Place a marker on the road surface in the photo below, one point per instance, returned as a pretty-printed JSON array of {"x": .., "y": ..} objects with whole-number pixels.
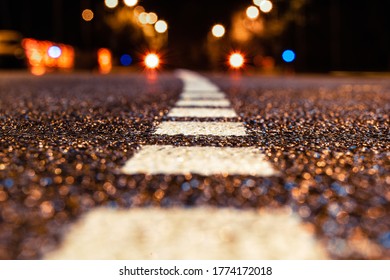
[{"x": 189, "y": 166}]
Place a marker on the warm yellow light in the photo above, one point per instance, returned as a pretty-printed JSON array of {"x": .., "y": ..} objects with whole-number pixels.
[
  {"x": 252, "y": 12},
  {"x": 111, "y": 3},
  {"x": 104, "y": 60},
  {"x": 152, "y": 18},
  {"x": 152, "y": 60},
  {"x": 266, "y": 6},
  {"x": 138, "y": 10},
  {"x": 130, "y": 3},
  {"x": 236, "y": 60},
  {"x": 143, "y": 18},
  {"x": 87, "y": 15},
  {"x": 161, "y": 26},
  {"x": 38, "y": 70},
  {"x": 218, "y": 30}
]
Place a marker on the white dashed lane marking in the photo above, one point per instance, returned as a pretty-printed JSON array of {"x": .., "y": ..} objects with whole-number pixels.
[
  {"x": 153, "y": 159},
  {"x": 203, "y": 103},
  {"x": 159, "y": 159},
  {"x": 201, "y": 128},
  {"x": 205, "y": 95},
  {"x": 202, "y": 113},
  {"x": 188, "y": 234}
]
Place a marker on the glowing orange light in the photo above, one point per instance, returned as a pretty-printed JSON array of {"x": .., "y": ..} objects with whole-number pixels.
[
  {"x": 38, "y": 70},
  {"x": 143, "y": 18},
  {"x": 87, "y": 15},
  {"x": 236, "y": 60},
  {"x": 138, "y": 10},
  {"x": 152, "y": 61},
  {"x": 104, "y": 61},
  {"x": 43, "y": 56},
  {"x": 152, "y": 18}
]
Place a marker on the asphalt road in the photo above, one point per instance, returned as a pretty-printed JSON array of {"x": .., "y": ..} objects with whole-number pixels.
[{"x": 65, "y": 139}]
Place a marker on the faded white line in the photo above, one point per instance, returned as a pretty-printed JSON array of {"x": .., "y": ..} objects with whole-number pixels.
[
  {"x": 203, "y": 103},
  {"x": 199, "y": 86},
  {"x": 193, "y": 81},
  {"x": 207, "y": 161},
  {"x": 201, "y": 128},
  {"x": 198, "y": 233},
  {"x": 205, "y": 95},
  {"x": 202, "y": 113}
]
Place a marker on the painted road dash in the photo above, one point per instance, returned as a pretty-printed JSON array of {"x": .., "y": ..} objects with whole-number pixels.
[
  {"x": 168, "y": 159},
  {"x": 202, "y": 113},
  {"x": 201, "y": 128},
  {"x": 194, "y": 233},
  {"x": 153, "y": 159},
  {"x": 202, "y": 95},
  {"x": 203, "y": 103}
]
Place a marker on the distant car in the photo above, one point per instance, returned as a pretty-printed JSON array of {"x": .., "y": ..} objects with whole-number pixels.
[{"x": 12, "y": 54}]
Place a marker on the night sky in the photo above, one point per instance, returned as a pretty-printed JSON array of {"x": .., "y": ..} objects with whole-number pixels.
[{"x": 337, "y": 34}]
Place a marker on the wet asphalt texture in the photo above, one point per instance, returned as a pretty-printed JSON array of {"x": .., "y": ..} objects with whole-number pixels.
[{"x": 65, "y": 137}]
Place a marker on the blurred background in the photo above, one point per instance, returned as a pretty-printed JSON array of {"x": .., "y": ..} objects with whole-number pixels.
[{"x": 271, "y": 35}]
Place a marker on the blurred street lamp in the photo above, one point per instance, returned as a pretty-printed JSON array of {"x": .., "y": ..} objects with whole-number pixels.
[
  {"x": 104, "y": 60},
  {"x": 252, "y": 12},
  {"x": 265, "y": 6},
  {"x": 87, "y": 15},
  {"x": 218, "y": 30},
  {"x": 151, "y": 18},
  {"x": 161, "y": 26},
  {"x": 152, "y": 61},
  {"x": 236, "y": 60},
  {"x": 138, "y": 10},
  {"x": 288, "y": 56},
  {"x": 143, "y": 18},
  {"x": 130, "y": 3},
  {"x": 54, "y": 52},
  {"x": 111, "y": 3}
]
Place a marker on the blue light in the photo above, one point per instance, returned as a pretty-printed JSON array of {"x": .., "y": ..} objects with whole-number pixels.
[
  {"x": 126, "y": 60},
  {"x": 54, "y": 52},
  {"x": 288, "y": 56}
]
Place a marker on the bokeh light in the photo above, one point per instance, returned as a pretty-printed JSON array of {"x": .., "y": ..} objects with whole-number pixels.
[
  {"x": 138, "y": 10},
  {"x": 87, "y": 15},
  {"x": 126, "y": 60},
  {"x": 288, "y": 56},
  {"x": 252, "y": 12},
  {"x": 152, "y": 18},
  {"x": 266, "y": 6},
  {"x": 218, "y": 30},
  {"x": 236, "y": 60},
  {"x": 111, "y": 3},
  {"x": 46, "y": 55},
  {"x": 130, "y": 3},
  {"x": 161, "y": 26},
  {"x": 143, "y": 18},
  {"x": 152, "y": 61},
  {"x": 104, "y": 60},
  {"x": 54, "y": 52}
]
